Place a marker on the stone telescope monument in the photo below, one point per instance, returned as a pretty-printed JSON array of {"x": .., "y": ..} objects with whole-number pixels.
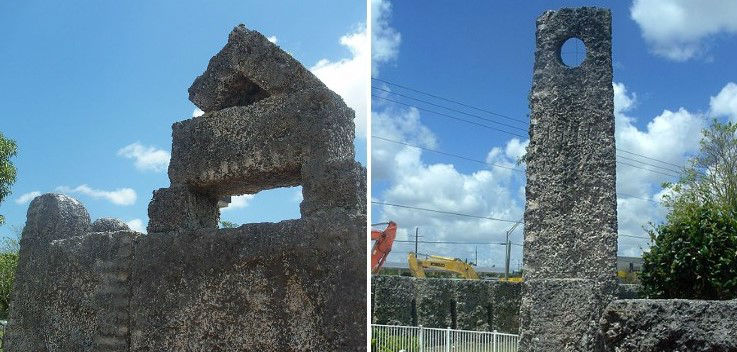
[
  {"x": 571, "y": 212},
  {"x": 296, "y": 285}
]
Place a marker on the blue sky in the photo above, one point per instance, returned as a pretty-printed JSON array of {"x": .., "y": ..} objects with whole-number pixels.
[
  {"x": 673, "y": 71},
  {"x": 83, "y": 80}
]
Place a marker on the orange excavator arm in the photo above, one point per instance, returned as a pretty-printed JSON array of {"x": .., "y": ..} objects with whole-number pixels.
[{"x": 382, "y": 246}]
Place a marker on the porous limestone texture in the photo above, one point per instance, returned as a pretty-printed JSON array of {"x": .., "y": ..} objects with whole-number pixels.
[
  {"x": 259, "y": 287},
  {"x": 268, "y": 123},
  {"x": 180, "y": 207},
  {"x": 674, "y": 325},
  {"x": 296, "y": 285},
  {"x": 481, "y": 305},
  {"x": 69, "y": 292},
  {"x": 629, "y": 291},
  {"x": 109, "y": 224},
  {"x": 289, "y": 286},
  {"x": 439, "y": 303},
  {"x": 278, "y": 134},
  {"x": 247, "y": 69},
  {"x": 571, "y": 211}
]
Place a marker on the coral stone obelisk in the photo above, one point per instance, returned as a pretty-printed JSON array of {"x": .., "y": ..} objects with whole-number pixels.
[{"x": 571, "y": 211}]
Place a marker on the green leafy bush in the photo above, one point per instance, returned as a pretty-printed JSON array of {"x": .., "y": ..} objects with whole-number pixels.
[
  {"x": 694, "y": 255},
  {"x": 393, "y": 343},
  {"x": 8, "y": 263}
]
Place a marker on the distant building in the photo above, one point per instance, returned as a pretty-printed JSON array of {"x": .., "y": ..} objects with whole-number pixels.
[{"x": 629, "y": 264}]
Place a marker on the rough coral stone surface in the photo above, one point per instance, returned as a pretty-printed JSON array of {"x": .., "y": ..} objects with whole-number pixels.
[
  {"x": 88, "y": 292},
  {"x": 30, "y": 323},
  {"x": 564, "y": 315},
  {"x": 249, "y": 68},
  {"x": 180, "y": 207},
  {"x": 670, "y": 325},
  {"x": 260, "y": 287},
  {"x": 291, "y": 286},
  {"x": 571, "y": 212},
  {"x": 328, "y": 185},
  {"x": 439, "y": 303},
  {"x": 54, "y": 216},
  {"x": 571, "y": 209},
  {"x": 435, "y": 304},
  {"x": 482, "y": 305},
  {"x": 393, "y": 300},
  {"x": 247, "y": 149},
  {"x": 109, "y": 224}
]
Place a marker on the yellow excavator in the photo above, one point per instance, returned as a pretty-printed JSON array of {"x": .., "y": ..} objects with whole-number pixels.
[{"x": 417, "y": 266}]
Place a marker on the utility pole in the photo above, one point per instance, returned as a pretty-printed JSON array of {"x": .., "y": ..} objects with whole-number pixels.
[
  {"x": 476, "y": 262},
  {"x": 509, "y": 249},
  {"x": 508, "y": 257},
  {"x": 417, "y": 236}
]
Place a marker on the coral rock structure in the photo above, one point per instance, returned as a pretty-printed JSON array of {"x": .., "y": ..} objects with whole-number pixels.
[
  {"x": 653, "y": 325},
  {"x": 296, "y": 285},
  {"x": 481, "y": 305},
  {"x": 571, "y": 211}
]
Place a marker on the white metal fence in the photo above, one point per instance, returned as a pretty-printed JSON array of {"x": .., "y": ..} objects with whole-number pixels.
[{"x": 393, "y": 338}]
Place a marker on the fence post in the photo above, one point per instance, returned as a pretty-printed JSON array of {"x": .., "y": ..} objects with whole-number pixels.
[
  {"x": 447, "y": 339},
  {"x": 495, "y": 341},
  {"x": 421, "y": 338}
]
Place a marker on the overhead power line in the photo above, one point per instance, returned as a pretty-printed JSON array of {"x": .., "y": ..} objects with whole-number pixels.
[
  {"x": 491, "y": 113},
  {"x": 442, "y": 211},
  {"x": 646, "y": 169},
  {"x": 447, "y": 154},
  {"x": 463, "y": 215},
  {"x": 647, "y": 157},
  {"x": 447, "y": 108},
  {"x": 450, "y": 100},
  {"x": 511, "y": 133},
  {"x": 457, "y": 242},
  {"x": 677, "y": 172},
  {"x": 482, "y": 162},
  {"x": 448, "y": 116}
]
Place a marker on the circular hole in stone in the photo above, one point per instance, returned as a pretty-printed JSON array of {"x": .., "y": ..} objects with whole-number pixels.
[{"x": 573, "y": 52}]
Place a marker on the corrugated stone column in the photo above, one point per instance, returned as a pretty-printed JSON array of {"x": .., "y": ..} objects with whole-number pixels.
[{"x": 571, "y": 211}]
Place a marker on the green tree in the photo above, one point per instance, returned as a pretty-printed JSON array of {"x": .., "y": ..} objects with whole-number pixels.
[
  {"x": 694, "y": 252},
  {"x": 8, "y": 264},
  {"x": 8, "y": 149}
]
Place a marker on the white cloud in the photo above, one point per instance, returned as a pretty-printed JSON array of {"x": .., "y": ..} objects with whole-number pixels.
[
  {"x": 298, "y": 197},
  {"x": 272, "y": 39},
  {"x": 239, "y": 202},
  {"x": 387, "y": 158},
  {"x": 725, "y": 103},
  {"x": 678, "y": 29},
  {"x": 516, "y": 149},
  {"x": 136, "y": 225},
  {"x": 670, "y": 137},
  {"x": 121, "y": 196},
  {"x": 489, "y": 191},
  {"x": 27, "y": 197},
  {"x": 146, "y": 158},
  {"x": 623, "y": 101},
  {"x": 197, "y": 112},
  {"x": 385, "y": 39},
  {"x": 348, "y": 76}
]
